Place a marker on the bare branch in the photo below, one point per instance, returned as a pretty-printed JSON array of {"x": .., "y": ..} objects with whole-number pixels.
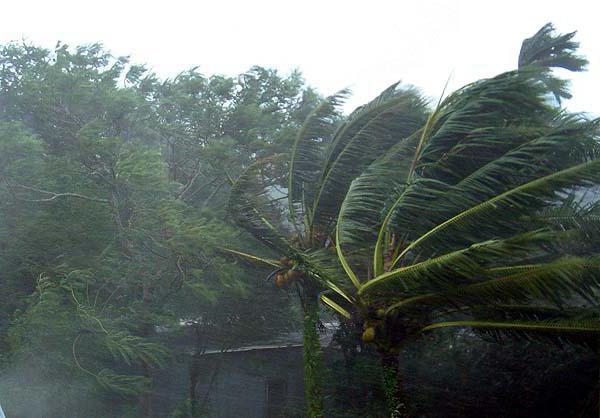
[
  {"x": 189, "y": 184},
  {"x": 54, "y": 196}
]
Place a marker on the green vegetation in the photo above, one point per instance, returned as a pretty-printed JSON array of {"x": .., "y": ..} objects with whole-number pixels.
[
  {"x": 136, "y": 212},
  {"x": 112, "y": 186},
  {"x": 475, "y": 217},
  {"x": 483, "y": 223}
]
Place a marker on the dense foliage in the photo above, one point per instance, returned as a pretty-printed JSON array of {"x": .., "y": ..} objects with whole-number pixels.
[{"x": 112, "y": 185}]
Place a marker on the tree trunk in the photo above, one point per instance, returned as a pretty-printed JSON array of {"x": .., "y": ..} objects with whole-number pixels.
[
  {"x": 146, "y": 397},
  {"x": 598, "y": 357},
  {"x": 145, "y": 400},
  {"x": 194, "y": 375},
  {"x": 194, "y": 372},
  {"x": 312, "y": 360},
  {"x": 392, "y": 385}
]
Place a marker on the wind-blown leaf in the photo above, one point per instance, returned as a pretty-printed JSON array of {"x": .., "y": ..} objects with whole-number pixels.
[
  {"x": 361, "y": 208},
  {"x": 541, "y": 282},
  {"x": 378, "y": 126},
  {"x": 306, "y": 159},
  {"x": 336, "y": 307},
  {"x": 460, "y": 267},
  {"x": 518, "y": 198},
  {"x": 548, "y": 49},
  {"x": 253, "y": 258},
  {"x": 254, "y": 203},
  {"x": 572, "y": 330}
]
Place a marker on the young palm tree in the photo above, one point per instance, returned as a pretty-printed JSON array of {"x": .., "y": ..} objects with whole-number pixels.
[
  {"x": 290, "y": 202},
  {"x": 482, "y": 218}
]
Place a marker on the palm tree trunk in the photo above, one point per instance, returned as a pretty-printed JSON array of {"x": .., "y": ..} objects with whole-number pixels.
[
  {"x": 392, "y": 384},
  {"x": 146, "y": 397},
  {"x": 312, "y": 360}
]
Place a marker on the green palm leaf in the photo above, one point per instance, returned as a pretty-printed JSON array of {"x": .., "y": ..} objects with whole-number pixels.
[
  {"x": 459, "y": 267},
  {"x": 517, "y": 199},
  {"x": 548, "y": 49},
  {"x": 255, "y": 202},
  {"x": 377, "y": 127},
  {"x": 568, "y": 329},
  {"x": 306, "y": 160}
]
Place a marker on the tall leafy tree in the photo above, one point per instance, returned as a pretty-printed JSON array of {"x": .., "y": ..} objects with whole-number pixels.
[
  {"x": 212, "y": 128},
  {"x": 110, "y": 237}
]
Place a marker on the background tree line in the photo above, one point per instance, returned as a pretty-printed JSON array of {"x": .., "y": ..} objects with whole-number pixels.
[{"x": 113, "y": 185}]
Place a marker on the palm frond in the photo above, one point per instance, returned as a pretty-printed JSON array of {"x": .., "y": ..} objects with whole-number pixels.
[
  {"x": 536, "y": 156},
  {"x": 547, "y": 49},
  {"x": 255, "y": 206},
  {"x": 335, "y": 306},
  {"x": 517, "y": 199},
  {"x": 563, "y": 331},
  {"x": 307, "y": 155},
  {"x": 459, "y": 267},
  {"x": 356, "y": 120},
  {"x": 388, "y": 119},
  {"x": 544, "y": 281},
  {"x": 360, "y": 211},
  {"x": 514, "y": 98},
  {"x": 324, "y": 267},
  {"x": 253, "y": 258},
  {"x": 566, "y": 326},
  {"x": 478, "y": 127},
  {"x": 555, "y": 282}
]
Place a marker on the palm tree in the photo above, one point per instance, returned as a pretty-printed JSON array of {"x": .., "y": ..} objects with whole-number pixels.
[
  {"x": 481, "y": 218},
  {"x": 470, "y": 213},
  {"x": 290, "y": 202}
]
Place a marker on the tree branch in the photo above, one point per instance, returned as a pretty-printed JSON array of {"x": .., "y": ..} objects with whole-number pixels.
[{"x": 54, "y": 196}]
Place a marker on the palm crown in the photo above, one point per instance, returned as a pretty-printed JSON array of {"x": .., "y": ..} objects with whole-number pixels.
[
  {"x": 483, "y": 207},
  {"x": 481, "y": 203}
]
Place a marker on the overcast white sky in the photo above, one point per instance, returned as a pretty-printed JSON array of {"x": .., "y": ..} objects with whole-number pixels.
[{"x": 365, "y": 45}]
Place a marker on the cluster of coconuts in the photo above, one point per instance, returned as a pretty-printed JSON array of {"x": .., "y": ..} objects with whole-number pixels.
[
  {"x": 284, "y": 278},
  {"x": 371, "y": 326}
]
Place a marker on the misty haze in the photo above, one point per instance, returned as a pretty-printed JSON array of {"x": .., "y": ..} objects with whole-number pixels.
[{"x": 286, "y": 210}]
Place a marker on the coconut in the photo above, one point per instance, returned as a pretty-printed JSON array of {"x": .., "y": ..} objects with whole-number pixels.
[
  {"x": 280, "y": 281},
  {"x": 293, "y": 274},
  {"x": 368, "y": 335}
]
